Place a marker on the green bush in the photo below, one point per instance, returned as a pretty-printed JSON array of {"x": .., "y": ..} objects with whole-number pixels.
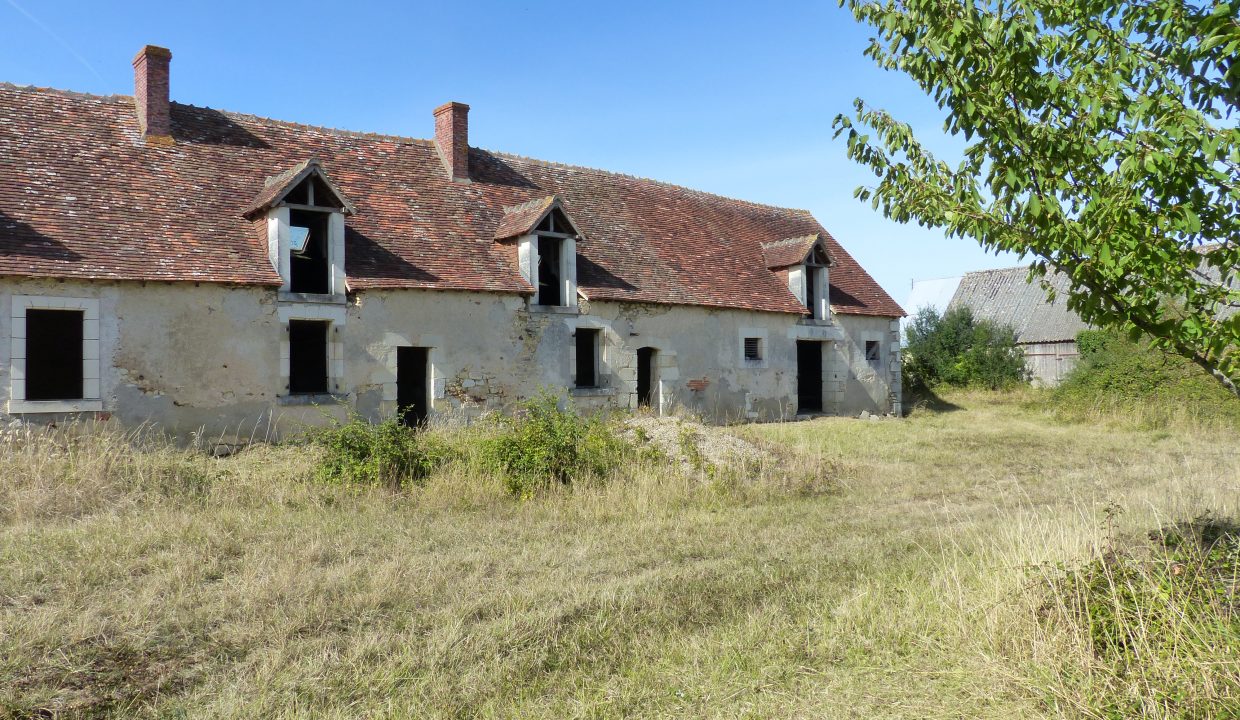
[
  {"x": 957, "y": 349},
  {"x": 387, "y": 453},
  {"x": 1164, "y": 616},
  {"x": 1116, "y": 374},
  {"x": 543, "y": 443}
]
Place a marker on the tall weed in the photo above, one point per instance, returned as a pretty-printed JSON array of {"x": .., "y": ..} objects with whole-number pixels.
[
  {"x": 543, "y": 444},
  {"x": 389, "y": 454}
]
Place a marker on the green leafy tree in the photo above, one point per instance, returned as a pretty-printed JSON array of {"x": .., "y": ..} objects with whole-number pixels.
[
  {"x": 1100, "y": 141},
  {"x": 956, "y": 349}
]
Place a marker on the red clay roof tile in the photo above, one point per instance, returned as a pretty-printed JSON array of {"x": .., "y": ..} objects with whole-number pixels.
[{"x": 84, "y": 197}]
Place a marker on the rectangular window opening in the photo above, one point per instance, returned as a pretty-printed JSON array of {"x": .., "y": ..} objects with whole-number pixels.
[
  {"x": 54, "y": 352},
  {"x": 753, "y": 348},
  {"x": 310, "y": 269},
  {"x": 307, "y": 344},
  {"x": 872, "y": 352},
  {"x": 550, "y": 285},
  {"x": 587, "y": 358}
]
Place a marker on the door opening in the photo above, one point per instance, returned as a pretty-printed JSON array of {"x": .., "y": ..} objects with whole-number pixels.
[
  {"x": 413, "y": 382},
  {"x": 809, "y": 376},
  {"x": 646, "y": 376}
]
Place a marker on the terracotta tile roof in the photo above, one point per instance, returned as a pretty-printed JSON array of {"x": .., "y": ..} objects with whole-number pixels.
[
  {"x": 83, "y": 197},
  {"x": 521, "y": 219},
  {"x": 790, "y": 251}
]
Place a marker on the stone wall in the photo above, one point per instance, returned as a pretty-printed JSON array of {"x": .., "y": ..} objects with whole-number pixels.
[{"x": 209, "y": 359}]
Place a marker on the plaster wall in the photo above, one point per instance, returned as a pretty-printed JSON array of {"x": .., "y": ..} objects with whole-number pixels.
[{"x": 208, "y": 359}]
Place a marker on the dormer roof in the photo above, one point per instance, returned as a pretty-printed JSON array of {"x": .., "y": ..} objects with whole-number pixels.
[
  {"x": 794, "y": 251},
  {"x": 277, "y": 187},
  {"x": 525, "y": 218}
]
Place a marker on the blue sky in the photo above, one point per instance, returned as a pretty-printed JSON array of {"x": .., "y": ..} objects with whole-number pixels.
[{"x": 731, "y": 98}]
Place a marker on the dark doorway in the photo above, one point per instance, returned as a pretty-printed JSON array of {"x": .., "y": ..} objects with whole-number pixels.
[
  {"x": 54, "y": 354},
  {"x": 307, "y": 345},
  {"x": 645, "y": 376},
  {"x": 809, "y": 376},
  {"x": 413, "y": 385}
]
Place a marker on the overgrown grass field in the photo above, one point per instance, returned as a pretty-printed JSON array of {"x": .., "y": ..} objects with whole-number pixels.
[{"x": 985, "y": 561}]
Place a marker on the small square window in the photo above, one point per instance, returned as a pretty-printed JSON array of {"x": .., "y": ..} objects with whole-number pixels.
[
  {"x": 872, "y": 352},
  {"x": 753, "y": 348}
]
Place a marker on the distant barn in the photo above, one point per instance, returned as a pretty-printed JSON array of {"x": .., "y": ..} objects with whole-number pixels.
[{"x": 1045, "y": 329}]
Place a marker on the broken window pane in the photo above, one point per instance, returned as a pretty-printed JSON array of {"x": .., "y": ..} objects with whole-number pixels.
[
  {"x": 297, "y": 238},
  {"x": 753, "y": 348}
]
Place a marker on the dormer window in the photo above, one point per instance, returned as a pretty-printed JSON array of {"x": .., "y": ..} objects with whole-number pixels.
[
  {"x": 816, "y": 288},
  {"x": 546, "y": 248},
  {"x": 305, "y": 231},
  {"x": 551, "y": 270},
  {"x": 804, "y": 262}
]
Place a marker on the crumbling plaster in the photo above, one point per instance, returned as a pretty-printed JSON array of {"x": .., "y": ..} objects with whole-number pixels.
[{"x": 193, "y": 358}]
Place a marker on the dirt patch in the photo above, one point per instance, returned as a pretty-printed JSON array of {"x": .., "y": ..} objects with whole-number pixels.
[{"x": 694, "y": 445}]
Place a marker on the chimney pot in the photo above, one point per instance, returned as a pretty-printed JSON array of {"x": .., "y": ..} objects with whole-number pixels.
[
  {"x": 150, "y": 79},
  {"x": 452, "y": 137}
]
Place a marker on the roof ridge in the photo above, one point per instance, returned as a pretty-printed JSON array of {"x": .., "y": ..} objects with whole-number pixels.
[
  {"x": 664, "y": 183},
  {"x": 307, "y": 126},
  {"x": 422, "y": 141},
  {"x": 58, "y": 91},
  {"x": 991, "y": 270},
  {"x": 791, "y": 240}
]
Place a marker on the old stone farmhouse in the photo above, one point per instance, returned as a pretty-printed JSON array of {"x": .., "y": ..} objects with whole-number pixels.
[{"x": 200, "y": 269}]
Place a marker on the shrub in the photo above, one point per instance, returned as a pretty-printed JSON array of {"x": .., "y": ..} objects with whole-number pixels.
[
  {"x": 1162, "y": 618},
  {"x": 957, "y": 349},
  {"x": 1116, "y": 374},
  {"x": 543, "y": 443},
  {"x": 387, "y": 453}
]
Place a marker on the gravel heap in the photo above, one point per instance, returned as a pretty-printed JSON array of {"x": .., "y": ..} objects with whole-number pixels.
[{"x": 676, "y": 438}]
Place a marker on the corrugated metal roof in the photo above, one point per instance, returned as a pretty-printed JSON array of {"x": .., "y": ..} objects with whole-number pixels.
[{"x": 1003, "y": 296}]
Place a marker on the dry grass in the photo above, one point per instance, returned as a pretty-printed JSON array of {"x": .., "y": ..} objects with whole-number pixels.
[{"x": 162, "y": 583}]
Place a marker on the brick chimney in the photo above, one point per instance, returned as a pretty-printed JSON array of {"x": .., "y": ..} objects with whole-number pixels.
[
  {"x": 150, "y": 79},
  {"x": 452, "y": 137}
]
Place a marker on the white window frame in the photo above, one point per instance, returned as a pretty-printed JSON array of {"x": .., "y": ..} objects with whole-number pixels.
[
  {"x": 527, "y": 257},
  {"x": 92, "y": 400},
  {"x": 279, "y": 248},
  {"x": 334, "y": 316}
]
